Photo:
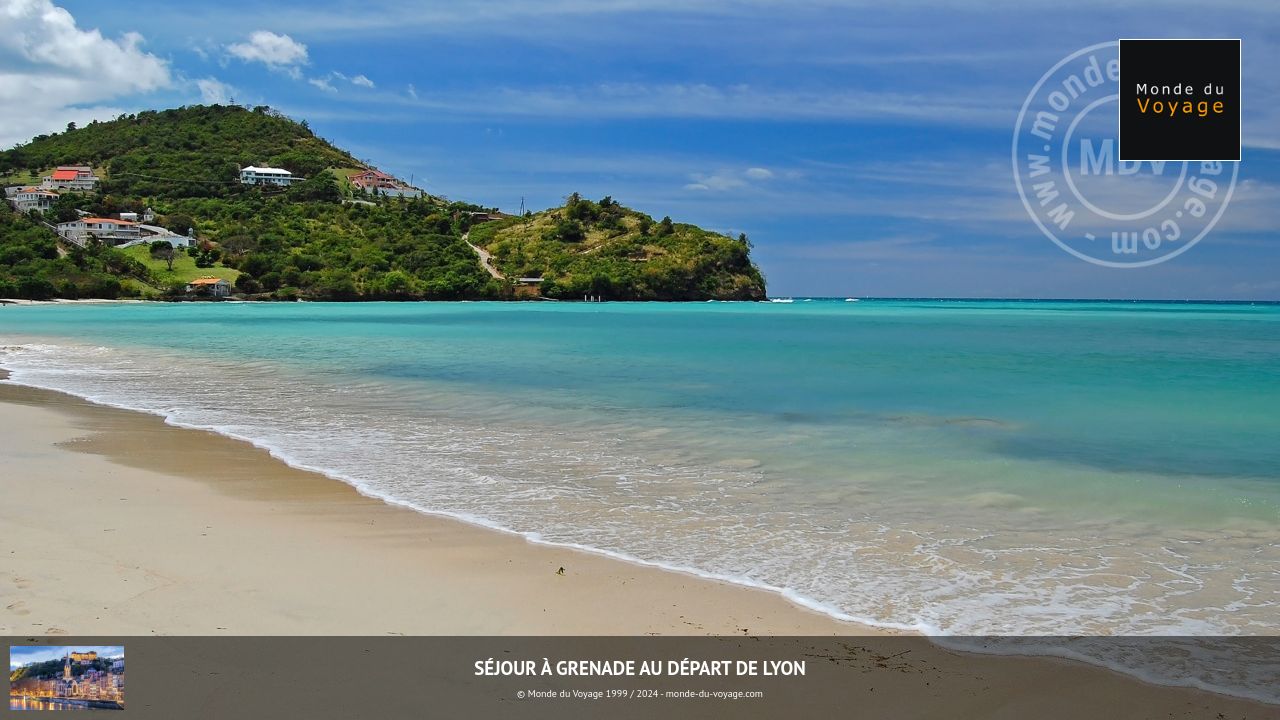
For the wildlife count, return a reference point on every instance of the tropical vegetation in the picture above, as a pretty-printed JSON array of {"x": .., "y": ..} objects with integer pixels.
[{"x": 322, "y": 238}]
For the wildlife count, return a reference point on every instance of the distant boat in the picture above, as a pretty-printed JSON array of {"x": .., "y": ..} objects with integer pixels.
[
  {"x": 851, "y": 299},
  {"x": 781, "y": 300}
]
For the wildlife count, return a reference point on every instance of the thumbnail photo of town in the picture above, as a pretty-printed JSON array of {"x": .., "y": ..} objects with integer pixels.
[{"x": 63, "y": 677}]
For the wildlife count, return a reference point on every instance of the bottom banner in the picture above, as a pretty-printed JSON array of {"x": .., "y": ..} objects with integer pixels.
[{"x": 625, "y": 677}]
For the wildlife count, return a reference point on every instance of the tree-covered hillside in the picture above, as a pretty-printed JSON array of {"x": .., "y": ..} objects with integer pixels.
[
  {"x": 393, "y": 250},
  {"x": 49, "y": 669},
  {"x": 320, "y": 238},
  {"x": 33, "y": 266},
  {"x": 604, "y": 249},
  {"x": 186, "y": 152}
]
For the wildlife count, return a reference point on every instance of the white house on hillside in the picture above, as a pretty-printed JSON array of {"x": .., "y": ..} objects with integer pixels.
[
  {"x": 32, "y": 198},
  {"x": 152, "y": 233},
  {"x": 71, "y": 177},
  {"x": 266, "y": 176},
  {"x": 106, "y": 230}
]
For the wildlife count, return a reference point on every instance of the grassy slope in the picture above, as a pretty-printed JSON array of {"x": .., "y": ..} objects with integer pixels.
[
  {"x": 21, "y": 177},
  {"x": 623, "y": 261},
  {"x": 343, "y": 177},
  {"x": 184, "y": 267}
]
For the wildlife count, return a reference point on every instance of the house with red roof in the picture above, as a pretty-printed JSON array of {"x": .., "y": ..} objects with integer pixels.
[
  {"x": 376, "y": 182},
  {"x": 71, "y": 177},
  {"x": 372, "y": 178}
]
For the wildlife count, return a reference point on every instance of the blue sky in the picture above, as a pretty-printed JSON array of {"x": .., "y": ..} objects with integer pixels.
[
  {"x": 863, "y": 148},
  {"x": 20, "y": 655}
]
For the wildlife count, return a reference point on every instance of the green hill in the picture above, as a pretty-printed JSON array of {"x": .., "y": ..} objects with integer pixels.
[
  {"x": 186, "y": 152},
  {"x": 602, "y": 248},
  {"x": 316, "y": 239}
]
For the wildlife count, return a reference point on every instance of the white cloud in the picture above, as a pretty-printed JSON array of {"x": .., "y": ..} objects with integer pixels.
[
  {"x": 324, "y": 84},
  {"x": 723, "y": 180},
  {"x": 413, "y": 91},
  {"x": 215, "y": 92},
  {"x": 278, "y": 52},
  {"x": 52, "y": 72}
]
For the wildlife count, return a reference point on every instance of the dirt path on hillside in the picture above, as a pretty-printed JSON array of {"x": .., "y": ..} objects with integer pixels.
[{"x": 486, "y": 259}]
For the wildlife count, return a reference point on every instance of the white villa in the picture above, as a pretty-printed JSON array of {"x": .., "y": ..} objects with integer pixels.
[
  {"x": 152, "y": 233},
  {"x": 267, "y": 176},
  {"x": 26, "y": 199},
  {"x": 120, "y": 233},
  {"x": 70, "y": 177},
  {"x": 107, "y": 230}
]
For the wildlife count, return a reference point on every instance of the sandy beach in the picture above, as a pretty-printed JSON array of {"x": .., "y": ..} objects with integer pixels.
[
  {"x": 182, "y": 532},
  {"x": 188, "y": 532}
]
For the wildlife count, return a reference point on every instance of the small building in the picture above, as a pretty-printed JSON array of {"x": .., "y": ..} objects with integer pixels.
[
  {"x": 32, "y": 198},
  {"x": 379, "y": 183},
  {"x": 372, "y": 179},
  {"x": 480, "y": 216},
  {"x": 209, "y": 287},
  {"x": 111, "y": 231},
  {"x": 528, "y": 288},
  {"x": 267, "y": 176},
  {"x": 71, "y": 177}
]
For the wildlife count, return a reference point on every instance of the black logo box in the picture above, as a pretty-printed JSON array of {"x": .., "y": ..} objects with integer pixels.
[{"x": 1185, "y": 67}]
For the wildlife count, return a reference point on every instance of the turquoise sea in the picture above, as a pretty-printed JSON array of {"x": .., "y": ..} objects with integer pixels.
[{"x": 953, "y": 467}]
